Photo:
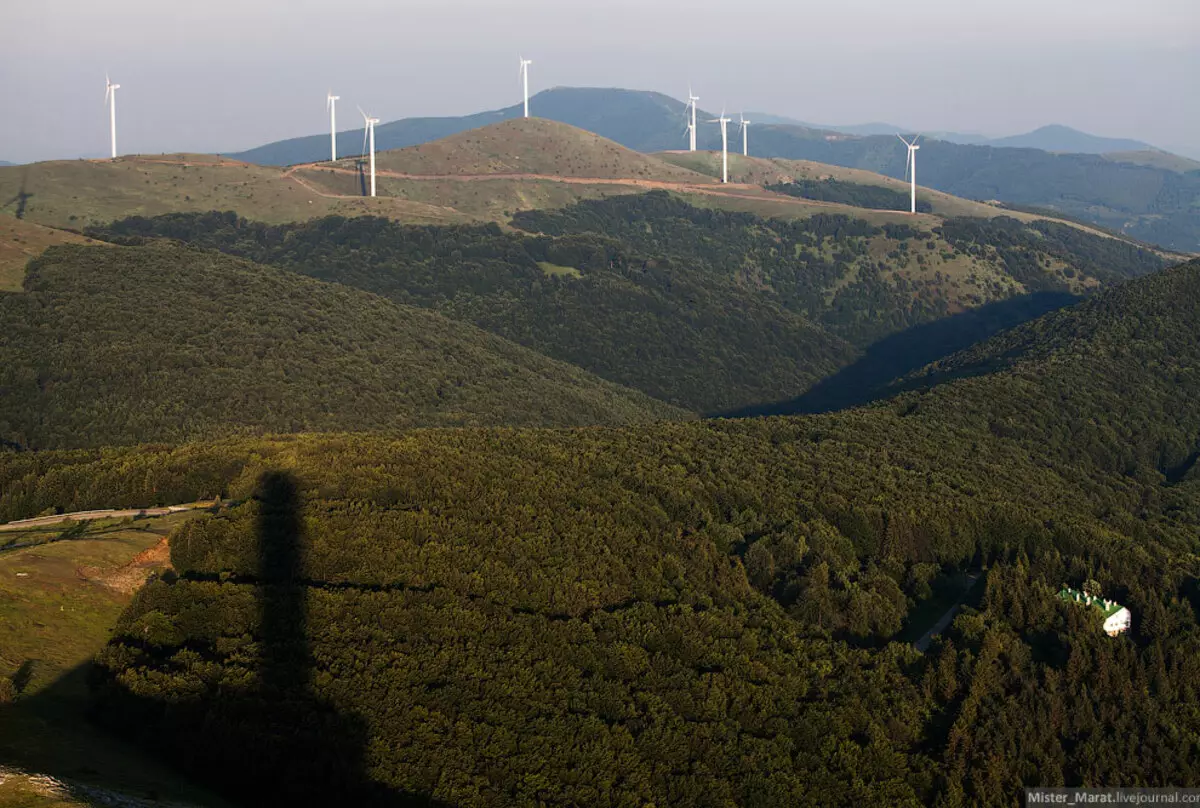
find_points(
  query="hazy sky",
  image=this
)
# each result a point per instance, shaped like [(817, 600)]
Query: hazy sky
[(224, 75)]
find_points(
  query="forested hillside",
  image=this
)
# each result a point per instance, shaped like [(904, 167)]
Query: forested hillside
[(706, 309), (168, 343), (689, 614), (679, 333)]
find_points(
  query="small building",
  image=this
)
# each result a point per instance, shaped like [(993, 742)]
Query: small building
[(1117, 618)]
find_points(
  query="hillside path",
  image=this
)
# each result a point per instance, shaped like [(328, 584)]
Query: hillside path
[(728, 190), (91, 516)]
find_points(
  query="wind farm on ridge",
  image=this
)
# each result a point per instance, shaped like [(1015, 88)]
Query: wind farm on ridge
[(368, 152)]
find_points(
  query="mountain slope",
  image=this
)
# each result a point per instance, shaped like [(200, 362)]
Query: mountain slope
[(1148, 203), (1145, 202), (115, 345), (77, 193), (688, 614), (678, 332), (707, 309)]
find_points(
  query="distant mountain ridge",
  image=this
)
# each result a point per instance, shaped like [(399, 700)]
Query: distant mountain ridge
[(630, 117), (1050, 138), (1057, 138)]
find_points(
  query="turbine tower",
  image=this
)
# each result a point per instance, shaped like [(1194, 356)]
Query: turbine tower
[(692, 99), (745, 137), (910, 166), (369, 137), (724, 145), (110, 98), (524, 74), (331, 104)]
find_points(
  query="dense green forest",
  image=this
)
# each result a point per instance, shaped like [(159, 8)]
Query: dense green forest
[(689, 613), (678, 333), (850, 193), (169, 343), (705, 309)]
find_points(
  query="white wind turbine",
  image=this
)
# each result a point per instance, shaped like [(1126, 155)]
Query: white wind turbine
[(110, 98), (369, 137), (745, 137), (724, 144), (524, 74), (691, 127), (331, 104), (910, 166)]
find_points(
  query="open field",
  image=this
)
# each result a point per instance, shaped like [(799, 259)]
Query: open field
[(20, 241), (58, 603), (78, 193)]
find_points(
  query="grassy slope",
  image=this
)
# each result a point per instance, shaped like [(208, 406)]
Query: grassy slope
[(167, 343), (78, 193), (767, 171), (21, 241), (57, 611)]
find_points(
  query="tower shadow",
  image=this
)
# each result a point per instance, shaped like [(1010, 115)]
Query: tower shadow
[(22, 198), (274, 742)]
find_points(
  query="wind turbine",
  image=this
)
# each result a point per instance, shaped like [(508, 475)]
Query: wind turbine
[(910, 166), (331, 104), (724, 144), (524, 74), (692, 99), (369, 135), (110, 98), (745, 137)]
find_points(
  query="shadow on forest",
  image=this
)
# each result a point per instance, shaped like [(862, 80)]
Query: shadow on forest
[(876, 375), (271, 744)]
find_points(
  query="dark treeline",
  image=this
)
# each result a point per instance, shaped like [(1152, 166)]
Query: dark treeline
[(857, 194), (699, 613), (170, 343)]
